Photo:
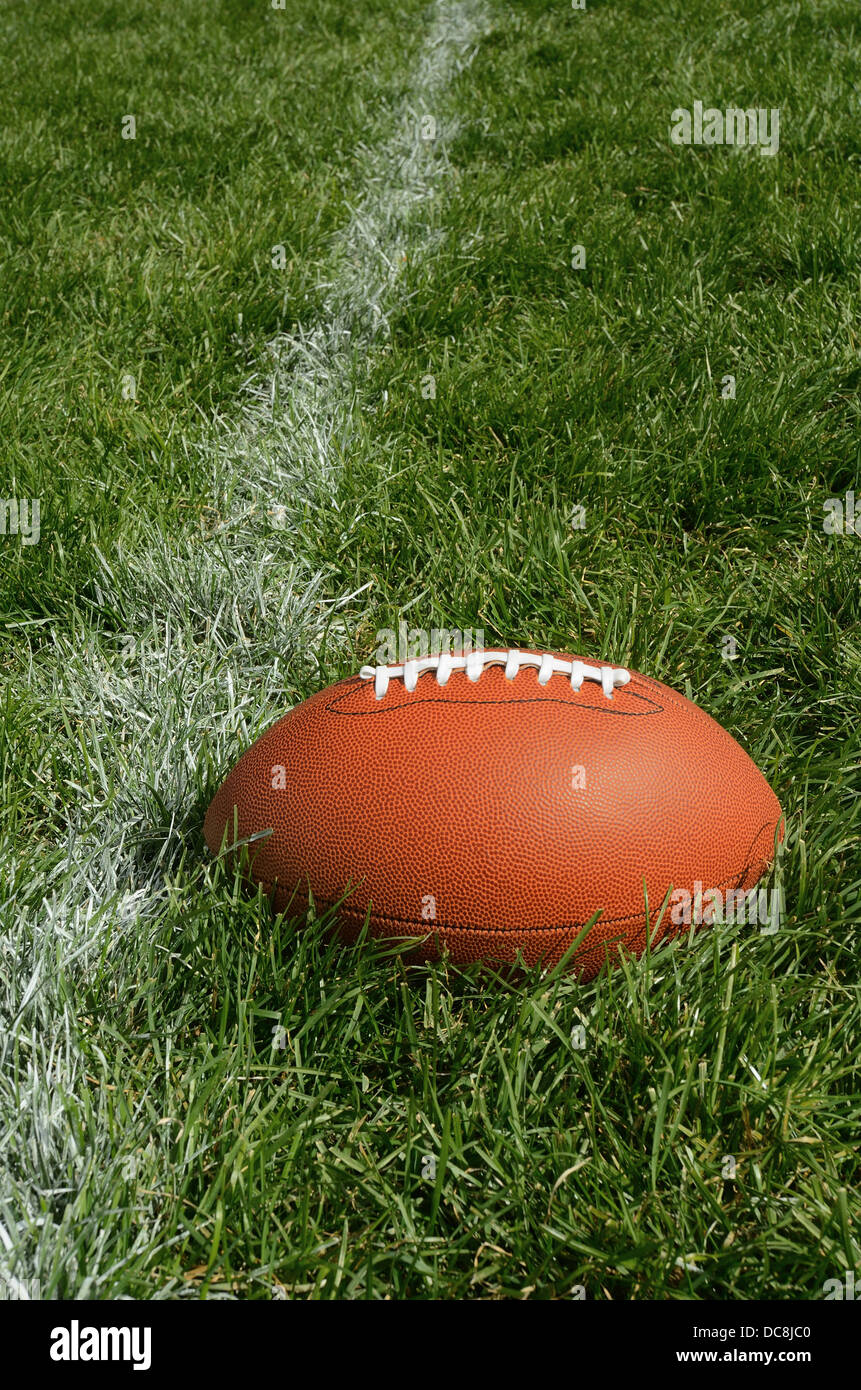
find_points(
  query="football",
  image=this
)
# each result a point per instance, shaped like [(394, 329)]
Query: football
[(500, 806)]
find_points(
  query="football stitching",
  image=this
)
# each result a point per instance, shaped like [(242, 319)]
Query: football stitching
[(325, 905), (474, 665), (412, 701)]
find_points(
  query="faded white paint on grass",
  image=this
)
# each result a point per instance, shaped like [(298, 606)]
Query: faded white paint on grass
[(212, 631)]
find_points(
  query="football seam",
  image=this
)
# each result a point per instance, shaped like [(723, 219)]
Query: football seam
[(656, 708), (683, 704), (325, 905)]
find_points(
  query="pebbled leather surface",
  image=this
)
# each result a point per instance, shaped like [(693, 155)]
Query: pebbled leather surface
[(452, 813)]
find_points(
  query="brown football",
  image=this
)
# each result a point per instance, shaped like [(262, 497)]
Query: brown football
[(493, 804)]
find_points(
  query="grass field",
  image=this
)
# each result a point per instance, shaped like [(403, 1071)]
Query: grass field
[(313, 354)]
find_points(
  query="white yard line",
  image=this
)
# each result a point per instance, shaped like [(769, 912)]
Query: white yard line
[(308, 404), (213, 626)]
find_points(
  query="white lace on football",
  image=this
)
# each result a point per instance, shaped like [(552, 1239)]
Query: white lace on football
[(513, 661)]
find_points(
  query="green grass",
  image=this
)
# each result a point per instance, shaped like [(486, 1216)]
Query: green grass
[(425, 1132), (151, 258)]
